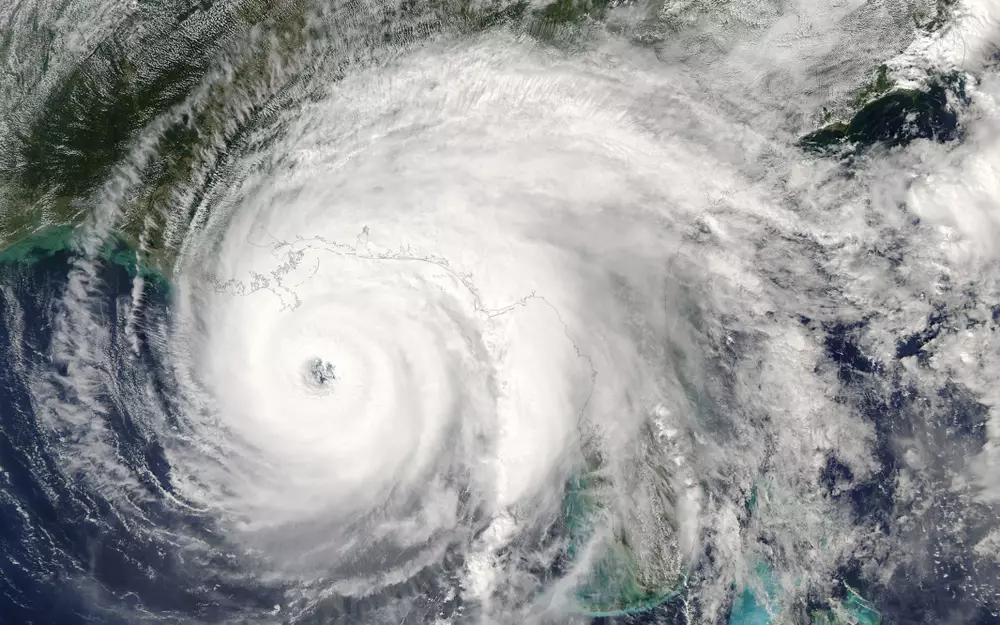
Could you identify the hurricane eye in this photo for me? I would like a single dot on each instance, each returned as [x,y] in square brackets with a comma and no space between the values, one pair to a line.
[321,372]
[503,312]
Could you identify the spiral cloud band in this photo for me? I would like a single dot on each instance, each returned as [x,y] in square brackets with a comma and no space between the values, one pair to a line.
[539,334]
[452,271]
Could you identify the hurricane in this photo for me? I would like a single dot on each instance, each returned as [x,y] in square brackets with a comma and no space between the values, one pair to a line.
[407,311]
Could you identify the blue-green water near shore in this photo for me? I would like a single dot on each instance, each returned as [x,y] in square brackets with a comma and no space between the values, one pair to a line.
[50,241]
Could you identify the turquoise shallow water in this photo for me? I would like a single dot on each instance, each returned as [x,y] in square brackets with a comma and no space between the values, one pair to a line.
[73,554]
[758,606]
[755,607]
[613,587]
[53,240]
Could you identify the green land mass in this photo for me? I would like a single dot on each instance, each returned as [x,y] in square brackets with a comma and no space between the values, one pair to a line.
[89,122]
[892,117]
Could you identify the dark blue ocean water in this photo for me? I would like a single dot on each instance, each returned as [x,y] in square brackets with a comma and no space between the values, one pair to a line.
[70,554]
[74,551]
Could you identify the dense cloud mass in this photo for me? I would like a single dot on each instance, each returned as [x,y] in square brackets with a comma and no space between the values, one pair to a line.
[512,324]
